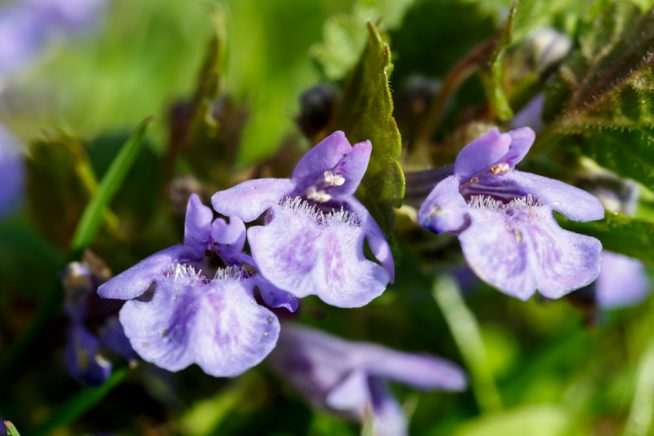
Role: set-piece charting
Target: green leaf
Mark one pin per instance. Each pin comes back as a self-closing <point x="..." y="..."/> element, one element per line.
<point x="11" y="429"/>
<point x="619" y="233"/>
<point x="80" y="403"/>
<point x="111" y="182"/>
<point x="601" y="98"/>
<point x="345" y="35"/>
<point x="535" y="420"/>
<point x="366" y="113"/>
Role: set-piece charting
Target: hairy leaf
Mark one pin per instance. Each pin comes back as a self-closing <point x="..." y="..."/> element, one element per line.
<point x="366" y="112"/>
<point x="603" y="94"/>
<point x="620" y="234"/>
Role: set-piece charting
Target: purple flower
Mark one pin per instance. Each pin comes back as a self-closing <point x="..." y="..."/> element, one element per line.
<point x="28" y="26"/>
<point x="314" y="229"/>
<point x="503" y="218"/>
<point x="622" y="281"/>
<point x="94" y="330"/>
<point x="195" y="302"/>
<point x="11" y="172"/>
<point x="348" y="378"/>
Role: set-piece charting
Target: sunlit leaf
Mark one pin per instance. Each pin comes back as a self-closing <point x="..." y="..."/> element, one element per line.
<point x="620" y="234"/>
<point x="366" y="112"/>
<point x="601" y="99"/>
<point x="345" y="35"/>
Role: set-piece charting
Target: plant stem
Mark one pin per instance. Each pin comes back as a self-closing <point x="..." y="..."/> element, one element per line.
<point x="465" y="330"/>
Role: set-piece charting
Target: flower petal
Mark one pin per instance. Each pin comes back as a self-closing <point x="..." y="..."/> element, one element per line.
<point x="11" y="172"/>
<point x="197" y="225"/>
<point x="275" y="298"/>
<point x="218" y="326"/>
<point x="574" y="203"/>
<point x="521" y="141"/>
<point x="531" y="114"/>
<point x="350" y="394"/>
<point x="374" y="235"/>
<point x="82" y="359"/>
<point x="304" y="251"/>
<point x="444" y="210"/>
<point x="387" y="415"/>
<point x="352" y="169"/>
<point x="481" y="153"/>
<point x="417" y="370"/>
<point x="322" y="157"/>
<point x="134" y="281"/>
<point x="521" y="249"/>
<point x="622" y="281"/>
<point x="232" y="233"/>
<point x="249" y="199"/>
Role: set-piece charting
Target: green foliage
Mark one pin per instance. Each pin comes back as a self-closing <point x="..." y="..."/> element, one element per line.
<point x="601" y="98"/>
<point x="619" y="233"/>
<point x="11" y="429"/>
<point x="524" y="17"/>
<point x="91" y="219"/>
<point x="60" y="181"/>
<point x="345" y="35"/>
<point x="536" y="420"/>
<point x="84" y="400"/>
<point x="366" y="113"/>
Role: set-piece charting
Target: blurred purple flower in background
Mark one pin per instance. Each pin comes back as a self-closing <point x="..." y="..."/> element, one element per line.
<point x="349" y="378"/>
<point x="195" y="302"/>
<point x="623" y="280"/>
<point x="314" y="232"/>
<point x="94" y="330"/>
<point x="503" y="218"/>
<point x="11" y="172"/>
<point x="27" y="27"/>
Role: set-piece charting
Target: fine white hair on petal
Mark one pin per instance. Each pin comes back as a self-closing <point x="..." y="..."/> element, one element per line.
<point x="488" y="202"/>
<point x="341" y="215"/>
<point x="185" y="272"/>
<point x="230" y="272"/>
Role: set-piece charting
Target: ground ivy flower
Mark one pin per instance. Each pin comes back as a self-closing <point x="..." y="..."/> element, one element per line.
<point x="28" y="26"/>
<point x="93" y="330"/>
<point x="349" y="378"/>
<point x="195" y="302"/>
<point x="503" y="218"/>
<point x="314" y="229"/>
<point x="11" y="172"/>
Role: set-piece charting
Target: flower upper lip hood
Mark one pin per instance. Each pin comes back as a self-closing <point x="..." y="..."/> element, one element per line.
<point x="315" y="230"/>
<point x="349" y="377"/>
<point x="504" y="219"/>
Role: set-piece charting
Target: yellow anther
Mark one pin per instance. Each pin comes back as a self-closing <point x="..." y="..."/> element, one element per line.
<point x="500" y="168"/>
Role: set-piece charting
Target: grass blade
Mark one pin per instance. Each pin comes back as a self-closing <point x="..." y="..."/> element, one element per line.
<point x="111" y="182"/>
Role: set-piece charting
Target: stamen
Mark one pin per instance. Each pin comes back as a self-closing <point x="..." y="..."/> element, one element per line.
<point x="500" y="168"/>
<point x="332" y="179"/>
<point x="316" y="195"/>
<point x="321" y="217"/>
